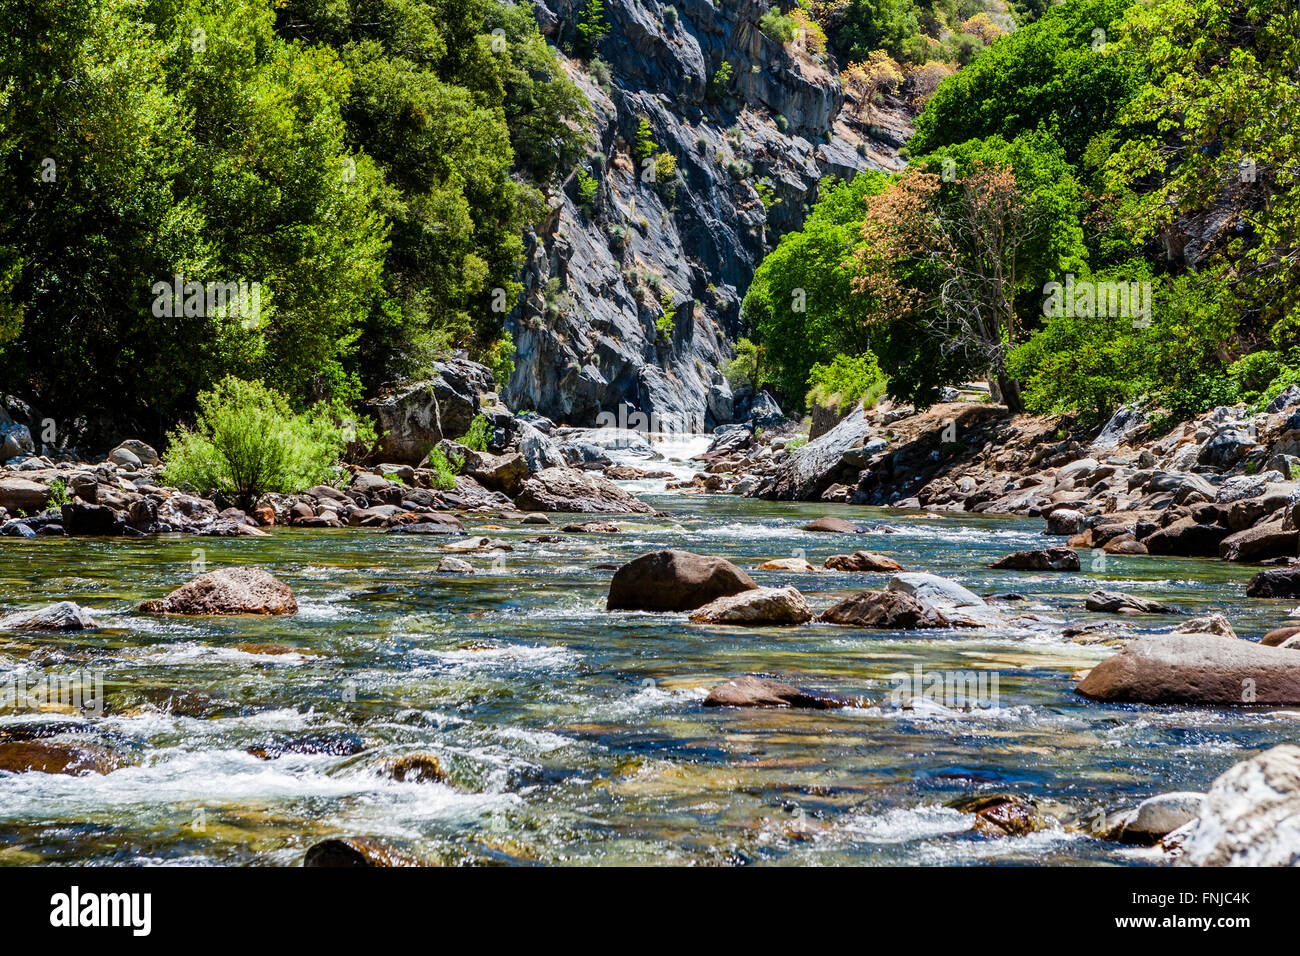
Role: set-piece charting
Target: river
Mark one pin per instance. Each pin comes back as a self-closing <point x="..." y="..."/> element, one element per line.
<point x="573" y="735"/>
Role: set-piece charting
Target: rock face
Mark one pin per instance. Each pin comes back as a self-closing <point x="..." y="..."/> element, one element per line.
<point x="759" y="606"/>
<point x="1042" y="559"/>
<point x="64" y="616"/>
<point x="1251" y="816"/>
<point x="228" y="591"/>
<point x="674" y="581"/>
<point x="750" y="691"/>
<point x="889" y="610"/>
<point x="585" y="330"/>
<point x="1202" y="669"/>
<point x="813" y="468"/>
<point x="571" y="490"/>
<point x="415" y="417"/>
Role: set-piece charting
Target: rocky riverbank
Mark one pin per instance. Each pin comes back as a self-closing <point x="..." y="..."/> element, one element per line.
<point x="1222" y="485"/>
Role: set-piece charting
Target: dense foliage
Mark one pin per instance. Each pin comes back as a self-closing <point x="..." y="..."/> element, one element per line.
<point x="365" y="169"/>
<point x="1101" y="207"/>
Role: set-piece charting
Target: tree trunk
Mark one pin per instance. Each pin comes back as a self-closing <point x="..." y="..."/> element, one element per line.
<point x="1010" y="390"/>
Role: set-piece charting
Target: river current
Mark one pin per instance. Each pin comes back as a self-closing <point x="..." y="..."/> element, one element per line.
<point x="572" y="735"/>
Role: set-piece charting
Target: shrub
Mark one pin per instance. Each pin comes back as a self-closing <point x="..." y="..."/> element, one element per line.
<point x="846" y="380"/>
<point x="587" y="189"/>
<point x="248" y="441"/>
<point x="670" y="17"/>
<point x="444" y="470"/>
<point x="644" y="145"/>
<point x="778" y="26"/>
<point x="478" y="436"/>
<point x="500" y="358"/>
<point x="592" y="27"/>
<point x="721" y="79"/>
<point x="748" y="367"/>
<point x="59" y="496"/>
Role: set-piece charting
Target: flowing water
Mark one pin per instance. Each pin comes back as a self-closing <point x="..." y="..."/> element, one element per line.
<point x="573" y="735"/>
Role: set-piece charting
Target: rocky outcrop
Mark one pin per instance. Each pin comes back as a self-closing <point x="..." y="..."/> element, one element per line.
<point x="750" y="691"/>
<point x="598" y="278"/>
<point x="1204" y="669"/>
<point x="413" y="418"/>
<point x="1251" y="816"/>
<point x="571" y="490"/>
<point x="810" y="470"/>
<point x="674" y="581"/>
<point x="228" y="591"/>
<point x="756" y="607"/>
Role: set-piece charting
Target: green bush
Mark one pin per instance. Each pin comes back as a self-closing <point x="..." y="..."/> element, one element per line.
<point x="478" y="436"/>
<point x="778" y="26"/>
<point x="749" y="367"/>
<point x="846" y="380"/>
<point x="444" y="470"/>
<point x="247" y="441"/>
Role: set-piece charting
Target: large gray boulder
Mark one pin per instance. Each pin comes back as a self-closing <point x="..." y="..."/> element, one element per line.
<point x="810" y="470"/>
<point x="64" y="616"/>
<point x="933" y="590"/>
<point x="239" y="590"/>
<point x="1251" y="816"/>
<point x="414" y="417"/>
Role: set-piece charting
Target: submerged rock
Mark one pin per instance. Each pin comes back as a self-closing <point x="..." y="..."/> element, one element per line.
<point x="52" y="757"/>
<point x="356" y="851"/>
<point x="750" y="691"/>
<point x="1251" y="816"/>
<point x="1003" y="814"/>
<point x="451" y="565"/>
<point x="1205" y="669"/>
<point x="758" y="606"/>
<point x="1040" y="559"/>
<point x="889" y="610"/>
<point x="674" y="581"/>
<point x="1116" y="602"/>
<point x="242" y="590"/>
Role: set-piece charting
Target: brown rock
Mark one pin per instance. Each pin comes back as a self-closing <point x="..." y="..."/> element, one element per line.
<point x="889" y="610"/>
<point x="52" y="757"/>
<point x="756" y="607"/>
<point x="228" y="591"/>
<point x="1041" y="559"/>
<point x="22" y="494"/>
<point x="1116" y="602"/>
<point x="1260" y="543"/>
<point x="862" y="561"/>
<point x="798" y="565"/>
<point x="674" y="581"/>
<point x="1185" y="538"/>
<point x="1205" y="669"/>
<point x="592" y="527"/>
<point x="832" y="526"/>
<point x="1124" y="544"/>
<point x="1207" y="624"/>
<point x="416" y="768"/>
<point x="1279" y="635"/>
<point x="749" y="691"/>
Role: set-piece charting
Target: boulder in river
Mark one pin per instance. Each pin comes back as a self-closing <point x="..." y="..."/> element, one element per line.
<point x="1207" y="624"/>
<point x="1187" y="538"/>
<point x="240" y="590"/>
<point x="47" y="756"/>
<point x="356" y="851"/>
<point x="571" y="490"/>
<point x="1203" y="669"/>
<point x="797" y="565"/>
<point x="22" y="494"/>
<point x="934" y="590"/>
<point x="830" y="525"/>
<point x="888" y="610"/>
<point x="450" y="565"/>
<point x="1039" y="559"/>
<point x="1155" y="818"/>
<point x="756" y="607"/>
<point x="1064" y="521"/>
<point x="1260" y="543"/>
<point x="1279" y="635"/>
<point x="1275" y="583"/>
<point x="750" y="691"/>
<point x="63" y="616"/>
<point x="83" y="519"/>
<point x="862" y="562"/>
<point x="1251" y="815"/>
<point x="1117" y="602"/>
<point x="674" y="581"/>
